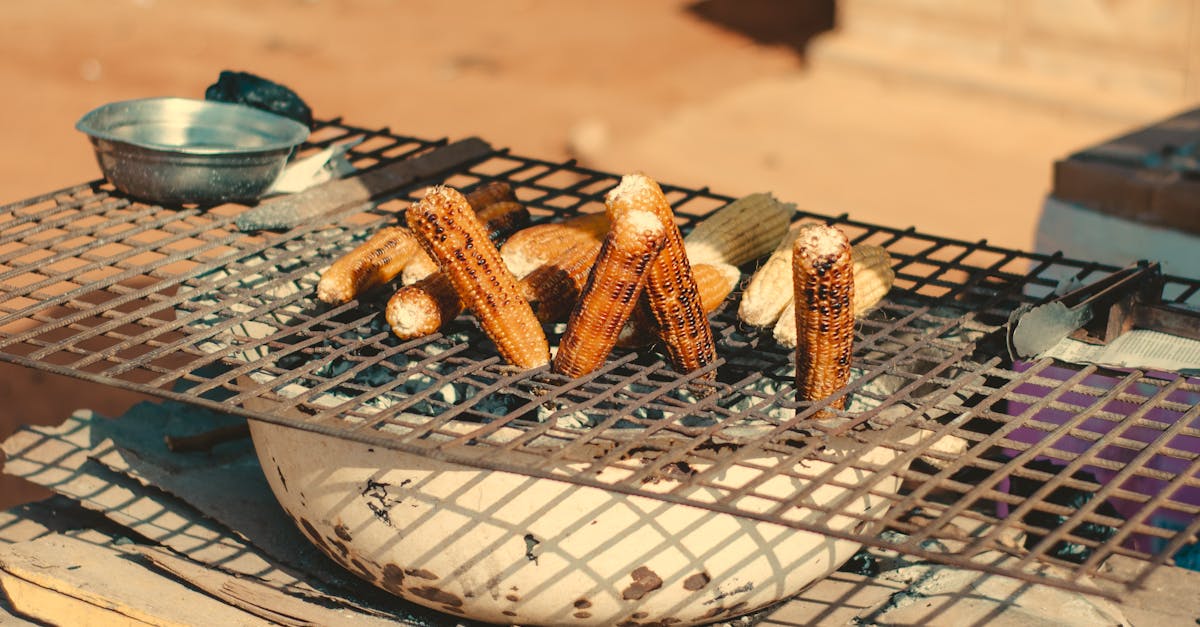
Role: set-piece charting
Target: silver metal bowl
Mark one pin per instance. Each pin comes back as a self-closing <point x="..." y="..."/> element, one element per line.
<point x="180" y="150"/>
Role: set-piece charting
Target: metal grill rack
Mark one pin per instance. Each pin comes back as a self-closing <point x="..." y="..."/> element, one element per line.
<point x="991" y="457"/>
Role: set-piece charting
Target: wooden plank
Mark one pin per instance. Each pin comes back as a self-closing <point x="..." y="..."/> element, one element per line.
<point x="59" y="458"/>
<point x="65" y="581"/>
<point x="258" y="599"/>
<point x="64" y="458"/>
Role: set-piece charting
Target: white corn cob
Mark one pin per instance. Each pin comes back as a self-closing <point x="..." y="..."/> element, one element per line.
<point x="741" y="231"/>
<point x="873" y="278"/>
<point x="770" y="287"/>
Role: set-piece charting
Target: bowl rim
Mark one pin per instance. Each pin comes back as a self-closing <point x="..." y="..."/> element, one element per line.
<point x="290" y="132"/>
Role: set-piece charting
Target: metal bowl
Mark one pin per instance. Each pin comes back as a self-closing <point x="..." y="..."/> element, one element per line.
<point x="180" y="150"/>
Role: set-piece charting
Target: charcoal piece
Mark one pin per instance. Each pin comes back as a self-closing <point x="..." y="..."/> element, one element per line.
<point x="863" y="563"/>
<point x="1066" y="497"/>
<point x="255" y="91"/>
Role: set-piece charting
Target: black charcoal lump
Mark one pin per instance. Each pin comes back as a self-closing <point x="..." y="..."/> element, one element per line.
<point x="256" y="91"/>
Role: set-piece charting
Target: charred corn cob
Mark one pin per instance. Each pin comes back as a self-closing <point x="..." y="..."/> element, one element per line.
<point x="670" y="287"/>
<point x="451" y="234"/>
<point x="873" y="278"/>
<point x="612" y="288"/>
<point x="504" y="218"/>
<point x="374" y="262"/>
<point x="823" y="275"/>
<point x="715" y="281"/>
<point x="741" y="231"/>
<point x="423" y="308"/>
<point x="533" y="247"/>
<point x="554" y="288"/>
<point x="501" y="219"/>
<point x="489" y="193"/>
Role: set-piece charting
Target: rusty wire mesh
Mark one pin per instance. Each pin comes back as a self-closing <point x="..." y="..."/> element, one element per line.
<point x="977" y="461"/>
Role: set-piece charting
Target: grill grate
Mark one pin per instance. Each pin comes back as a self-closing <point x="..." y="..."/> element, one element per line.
<point x="176" y="302"/>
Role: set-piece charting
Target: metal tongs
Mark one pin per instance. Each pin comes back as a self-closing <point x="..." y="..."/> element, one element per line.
<point x="1100" y="312"/>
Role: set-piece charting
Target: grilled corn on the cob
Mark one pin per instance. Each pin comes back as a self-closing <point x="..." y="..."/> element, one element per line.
<point x="671" y="291"/>
<point x="452" y="235"/>
<point x="823" y="275"/>
<point x="612" y="288"/>
<point x="374" y="262"/>
<point x="423" y="308"/>
<point x="531" y="248"/>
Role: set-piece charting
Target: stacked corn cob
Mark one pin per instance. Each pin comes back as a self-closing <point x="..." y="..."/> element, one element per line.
<point x="627" y="277"/>
<point x="634" y="240"/>
<point x="391" y="250"/>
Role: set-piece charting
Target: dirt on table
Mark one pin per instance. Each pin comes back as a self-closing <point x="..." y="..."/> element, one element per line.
<point x="711" y="93"/>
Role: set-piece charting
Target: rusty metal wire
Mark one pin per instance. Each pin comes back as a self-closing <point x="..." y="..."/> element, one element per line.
<point x="974" y="456"/>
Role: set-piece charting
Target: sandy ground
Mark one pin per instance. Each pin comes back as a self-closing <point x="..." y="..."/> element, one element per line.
<point x="623" y="85"/>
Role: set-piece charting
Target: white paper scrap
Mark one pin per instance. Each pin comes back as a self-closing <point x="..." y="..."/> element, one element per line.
<point x="1139" y="348"/>
<point x="323" y="166"/>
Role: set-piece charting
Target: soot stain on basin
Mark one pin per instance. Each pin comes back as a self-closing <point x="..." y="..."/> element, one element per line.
<point x="393" y="579"/>
<point x="339" y="545"/>
<point x="421" y="573"/>
<point x="645" y="581"/>
<point x="359" y="567"/>
<point x="343" y="532"/>
<point x="531" y="543"/>
<point x="378" y="501"/>
<point x="311" y="532"/>
<point x="279" y="471"/>
<point x="437" y="595"/>
<point x="696" y="582"/>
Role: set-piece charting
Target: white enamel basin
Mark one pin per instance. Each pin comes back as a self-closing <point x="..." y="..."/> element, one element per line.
<point x="507" y="548"/>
